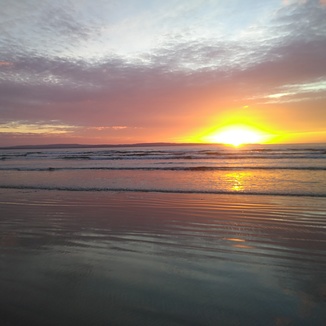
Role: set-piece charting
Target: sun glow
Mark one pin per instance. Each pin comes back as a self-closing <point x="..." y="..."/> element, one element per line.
<point x="237" y="135"/>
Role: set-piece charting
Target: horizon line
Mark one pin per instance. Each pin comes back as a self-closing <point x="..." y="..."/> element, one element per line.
<point x="71" y="145"/>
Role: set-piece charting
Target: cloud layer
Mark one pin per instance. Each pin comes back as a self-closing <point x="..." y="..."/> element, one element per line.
<point x="160" y="71"/>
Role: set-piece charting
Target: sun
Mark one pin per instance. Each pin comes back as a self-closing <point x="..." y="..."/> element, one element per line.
<point x="237" y="135"/>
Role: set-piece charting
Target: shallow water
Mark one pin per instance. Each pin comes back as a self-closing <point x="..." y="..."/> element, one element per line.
<point x="103" y="258"/>
<point x="288" y="170"/>
<point x="270" y="182"/>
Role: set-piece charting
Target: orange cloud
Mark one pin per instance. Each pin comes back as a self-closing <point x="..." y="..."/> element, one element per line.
<point x="108" y="127"/>
<point x="35" y="128"/>
<point x="6" y="63"/>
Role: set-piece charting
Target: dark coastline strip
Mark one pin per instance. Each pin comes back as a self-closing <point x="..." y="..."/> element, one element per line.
<point x="212" y="192"/>
<point x="194" y="169"/>
<point x="170" y="156"/>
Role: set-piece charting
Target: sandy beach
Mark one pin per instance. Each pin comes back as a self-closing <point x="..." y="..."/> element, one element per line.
<point x="128" y="258"/>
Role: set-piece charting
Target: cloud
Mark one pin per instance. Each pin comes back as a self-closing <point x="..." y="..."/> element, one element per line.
<point x="52" y="66"/>
<point x="302" y="2"/>
<point x="108" y="128"/>
<point x="298" y="92"/>
<point x="5" y="64"/>
<point x="21" y="127"/>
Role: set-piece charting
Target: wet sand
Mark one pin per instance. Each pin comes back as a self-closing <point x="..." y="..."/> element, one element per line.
<point x="100" y="258"/>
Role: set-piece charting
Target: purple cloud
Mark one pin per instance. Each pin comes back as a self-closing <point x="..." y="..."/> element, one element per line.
<point x="47" y="77"/>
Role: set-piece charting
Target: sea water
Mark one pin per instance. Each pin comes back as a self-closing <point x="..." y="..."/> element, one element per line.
<point x="298" y="170"/>
<point x="165" y="235"/>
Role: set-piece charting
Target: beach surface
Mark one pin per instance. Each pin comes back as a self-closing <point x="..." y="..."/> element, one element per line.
<point x="133" y="258"/>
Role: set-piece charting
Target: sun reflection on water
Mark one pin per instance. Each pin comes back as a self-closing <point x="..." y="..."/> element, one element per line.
<point x="239" y="181"/>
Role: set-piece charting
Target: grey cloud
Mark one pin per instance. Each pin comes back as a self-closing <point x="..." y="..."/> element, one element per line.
<point x="115" y="89"/>
<point x="43" y="28"/>
<point x="65" y="23"/>
<point x="297" y="62"/>
<point x="305" y="20"/>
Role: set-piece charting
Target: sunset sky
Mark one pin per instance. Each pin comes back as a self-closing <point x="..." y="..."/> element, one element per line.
<point x="130" y="71"/>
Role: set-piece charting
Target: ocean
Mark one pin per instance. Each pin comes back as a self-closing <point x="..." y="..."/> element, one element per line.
<point x="285" y="170"/>
<point x="164" y="235"/>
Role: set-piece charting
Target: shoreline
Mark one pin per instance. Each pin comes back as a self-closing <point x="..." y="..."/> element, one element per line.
<point x="160" y="258"/>
<point x="161" y="191"/>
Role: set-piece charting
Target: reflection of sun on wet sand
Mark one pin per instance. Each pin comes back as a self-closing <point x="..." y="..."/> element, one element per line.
<point x="103" y="257"/>
<point x="239" y="243"/>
